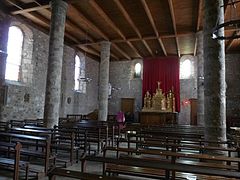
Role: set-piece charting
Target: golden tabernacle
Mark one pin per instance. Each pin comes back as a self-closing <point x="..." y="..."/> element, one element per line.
<point x="159" y="109"/>
<point x="158" y="102"/>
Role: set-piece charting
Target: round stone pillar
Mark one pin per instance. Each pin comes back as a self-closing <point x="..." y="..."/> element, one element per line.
<point x="55" y="58"/>
<point x="103" y="81"/>
<point x="200" y="80"/>
<point x="4" y="28"/>
<point x="214" y="73"/>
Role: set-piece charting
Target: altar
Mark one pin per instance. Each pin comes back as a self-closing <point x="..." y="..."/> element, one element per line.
<point x="158" y="118"/>
<point x="159" y="108"/>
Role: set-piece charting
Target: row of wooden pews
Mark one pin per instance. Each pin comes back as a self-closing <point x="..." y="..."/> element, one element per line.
<point x="68" y="138"/>
<point x="160" y="152"/>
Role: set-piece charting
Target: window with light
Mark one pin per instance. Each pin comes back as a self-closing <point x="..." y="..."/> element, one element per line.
<point x="186" y="69"/>
<point x="14" y="50"/>
<point x="137" y="70"/>
<point x="80" y="80"/>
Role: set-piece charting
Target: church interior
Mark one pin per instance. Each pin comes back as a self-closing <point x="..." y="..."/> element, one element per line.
<point x="119" y="89"/>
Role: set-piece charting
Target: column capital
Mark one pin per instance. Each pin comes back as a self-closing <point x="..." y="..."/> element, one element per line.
<point x="60" y="3"/>
<point x="105" y="43"/>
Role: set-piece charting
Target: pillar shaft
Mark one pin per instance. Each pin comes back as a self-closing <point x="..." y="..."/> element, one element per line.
<point x="214" y="74"/>
<point x="103" y="81"/>
<point x="200" y="80"/>
<point x="55" y="58"/>
<point x="4" y="28"/>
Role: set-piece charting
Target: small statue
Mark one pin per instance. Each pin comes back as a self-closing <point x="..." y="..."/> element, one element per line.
<point x="170" y="101"/>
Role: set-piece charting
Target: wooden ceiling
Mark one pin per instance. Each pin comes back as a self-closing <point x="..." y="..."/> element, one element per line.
<point x="136" y="28"/>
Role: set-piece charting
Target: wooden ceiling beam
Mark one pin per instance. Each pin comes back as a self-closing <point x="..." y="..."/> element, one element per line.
<point x="148" y="12"/>
<point x="230" y="42"/>
<point x="47" y="22"/>
<point x="130" y="21"/>
<point x="30" y="9"/>
<point x="84" y="43"/>
<point x="170" y="3"/>
<point x="110" y="22"/>
<point x="200" y="3"/>
<point x="95" y="28"/>
<point x="16" y="4"/>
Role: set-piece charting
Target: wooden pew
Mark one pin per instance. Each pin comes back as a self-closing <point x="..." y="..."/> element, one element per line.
<point x="27" y="140"/>
<point x="191" y="166"/>
<point x="79" y="175"/>
<point x="16" y="163"/>
<point x="61" y="139"/>
<point x="4" y="126"/>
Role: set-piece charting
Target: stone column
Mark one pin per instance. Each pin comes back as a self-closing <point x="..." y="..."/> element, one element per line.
<point x="4" y="28"/>
<point x="214" y="73"/>
<point x="55" y="58"/>
<point x="103" y="81"/>
<point x="200" y="80"/>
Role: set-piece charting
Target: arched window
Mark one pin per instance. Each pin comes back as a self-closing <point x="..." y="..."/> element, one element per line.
<point x="80" y="80"/>
<point x="137" y="70"/>
<point x="14" y="50"/>
<point x="186" y="69"/>
<point x="77" y="73"/>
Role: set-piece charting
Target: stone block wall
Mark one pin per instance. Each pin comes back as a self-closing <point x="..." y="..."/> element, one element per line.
<point x="124" y="85"/>
<point x="188" y="90"/>
<point x="25" y="99"/>
<point x="233" y="85"/>
<point x="85" y="103"/>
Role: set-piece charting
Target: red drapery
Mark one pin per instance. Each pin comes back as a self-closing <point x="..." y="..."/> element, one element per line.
<point x="165" y="70"/>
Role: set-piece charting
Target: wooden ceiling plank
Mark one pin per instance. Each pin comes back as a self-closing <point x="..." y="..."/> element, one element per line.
<point x="96" y="29"/>
<point x="127" y="17"/>
<point x="121" y="51"/>
<point x="148" y="47"/>
<point x="148" y="12"/>
<point x="200" y="3"/>
<point x="130" y="21"/>
<point x="87" y="22"/>
<point x="140" y="39"/>
<point x="15" y="4"/>
<point x="170" y="3"/>
<point x="134" y="48"/>
<point x="27" y="10"/>
<point x="106" y="17"/>
<point x="230" y="42"/>
<point x="111" y="23"/>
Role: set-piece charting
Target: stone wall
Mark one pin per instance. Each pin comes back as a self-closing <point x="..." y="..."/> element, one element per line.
<point x="85" y="103"/>
<point x="19" y="106"/>
<point x="124" y="85"/>
<point x="233" y="85"/>
<point x="188" y="90"/>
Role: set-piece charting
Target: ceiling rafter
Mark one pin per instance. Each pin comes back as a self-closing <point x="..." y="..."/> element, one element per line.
<point x="200" y="3"/>
<point x="96" y="29"/>
<point x="112" y="24"/>
<point x="230" y="42"/>
<point x="83" y="43"/>
<point x="31" y="9"/>
<point x="128" y="18"/>
<point x="170" y="3"/>
<point x="47" y="22"/>
<point x="148" y="12"/>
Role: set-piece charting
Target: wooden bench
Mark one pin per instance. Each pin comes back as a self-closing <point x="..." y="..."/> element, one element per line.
<point x="34" y="141"/>
<point x="163" y="165"/>
<point x="16" y="163"/>
<point x="61" y="139"/>
<point x="145" y="171"/>
<point x="79" y="175"/>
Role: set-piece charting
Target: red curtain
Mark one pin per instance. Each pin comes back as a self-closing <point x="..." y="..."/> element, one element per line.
<point x="165" y="70"/>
